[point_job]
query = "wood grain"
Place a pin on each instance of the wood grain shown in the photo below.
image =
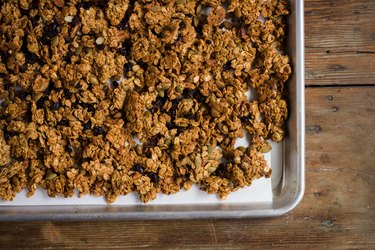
(340, 42)
(338, 209)
(334, 69)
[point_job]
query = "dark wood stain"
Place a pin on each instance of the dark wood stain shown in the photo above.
(314, 129)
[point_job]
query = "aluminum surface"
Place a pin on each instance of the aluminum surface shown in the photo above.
(286, 195)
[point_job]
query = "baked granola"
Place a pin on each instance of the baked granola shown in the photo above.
(148, 96)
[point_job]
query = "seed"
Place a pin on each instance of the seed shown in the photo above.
(5, 102)
(211, 169)
(99, 40)
(265, 149)
(93, 80)
(137, 82)
(55, 41)
(69, 19)
(196, 79)
(212, 100)
(237, 12)
(37, 97)
(82, 171)
(196, 24)
(11, 94)
(179, 89)
(78, 51)
(242, 149)
(166, 86)
(199, 9)
(51, 176)
(230, 100)
(139, 168)
(198, 162)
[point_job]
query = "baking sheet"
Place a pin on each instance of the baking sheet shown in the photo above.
(285, 188)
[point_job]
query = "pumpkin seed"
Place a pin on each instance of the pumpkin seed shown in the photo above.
(93, 80)
(51, 176)
(237, 12)
(198, 161)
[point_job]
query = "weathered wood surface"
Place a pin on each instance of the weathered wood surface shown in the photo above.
(340, 42)
(338, 209)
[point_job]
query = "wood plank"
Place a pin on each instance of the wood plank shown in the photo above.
(338, 209)
(328, 69)
(344, 25)
(340, 42)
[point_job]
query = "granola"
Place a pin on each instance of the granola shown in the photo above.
(148, 96)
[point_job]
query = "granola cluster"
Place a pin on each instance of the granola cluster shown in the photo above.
(112, 97)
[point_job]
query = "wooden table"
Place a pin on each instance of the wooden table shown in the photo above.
(338, 209)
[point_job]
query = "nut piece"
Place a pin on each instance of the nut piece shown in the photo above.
(68, 19)
(99, 40)
(59, 3)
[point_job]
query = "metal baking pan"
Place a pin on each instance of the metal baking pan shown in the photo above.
(287, 190)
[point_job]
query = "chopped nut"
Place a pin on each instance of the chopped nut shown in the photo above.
(99, 40)
(69, 19)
